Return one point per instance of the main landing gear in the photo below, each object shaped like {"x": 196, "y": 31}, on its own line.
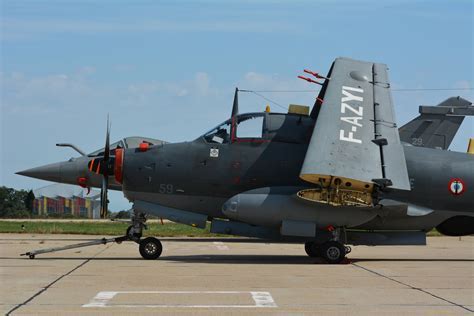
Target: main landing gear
{"x": 332, "y": 251}
{"x": 150, "y": 248}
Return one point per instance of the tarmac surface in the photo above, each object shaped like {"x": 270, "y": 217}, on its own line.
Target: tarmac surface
{"x": 234, "y": 276}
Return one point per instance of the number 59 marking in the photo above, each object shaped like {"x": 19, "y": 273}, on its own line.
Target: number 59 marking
{"x": 166, "y": 188}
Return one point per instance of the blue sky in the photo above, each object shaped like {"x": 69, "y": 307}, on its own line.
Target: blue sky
{"x": 167, "y": 69}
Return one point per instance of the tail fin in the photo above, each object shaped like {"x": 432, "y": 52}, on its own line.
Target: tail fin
{"x": 436, "y": 126}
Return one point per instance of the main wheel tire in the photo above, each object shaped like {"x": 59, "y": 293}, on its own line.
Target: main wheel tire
{"x": 150, "y": 248}
{"x": 312, "y": 249}
{"x": 333, "y": 251}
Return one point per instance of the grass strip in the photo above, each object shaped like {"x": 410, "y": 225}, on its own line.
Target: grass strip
{"x": 112, "y": 228}
{"x": 106, "y": 228}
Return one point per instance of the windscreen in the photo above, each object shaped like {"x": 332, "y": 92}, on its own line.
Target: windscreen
{"x": 100, "y": 152}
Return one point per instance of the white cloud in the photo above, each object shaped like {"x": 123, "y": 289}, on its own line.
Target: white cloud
{"x": 80, "y": 92}
{"x": 202, "y": 84}
{"x": 86, "y": 71}
{"x": 462, "y": 84}
{"x": 260, "y": 81}
{"x": 278, "y": 91}
{"x": 254, "y": 78}
{"x": 23, "y": 93}
{"x": 144, "y": 93}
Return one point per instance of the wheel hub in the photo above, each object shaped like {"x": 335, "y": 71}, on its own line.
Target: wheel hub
{"x": 150, "y": 248}
{"x": 333, "y": 253}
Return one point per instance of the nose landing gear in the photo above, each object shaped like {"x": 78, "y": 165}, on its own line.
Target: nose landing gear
{"x": 150, "y": 248}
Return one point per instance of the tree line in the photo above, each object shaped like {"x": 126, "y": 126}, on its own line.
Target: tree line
{"x": 19, "y": 204}
{"x": 16, "y": 203}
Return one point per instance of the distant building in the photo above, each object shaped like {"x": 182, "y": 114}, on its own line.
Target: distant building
{"x": 66, "y": 199}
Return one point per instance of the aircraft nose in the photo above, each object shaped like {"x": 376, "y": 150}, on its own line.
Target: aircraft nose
{"x": 51, "y": 172}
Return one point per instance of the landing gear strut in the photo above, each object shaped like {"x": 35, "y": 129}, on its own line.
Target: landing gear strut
{"x": 332, "y": 251}
{"x": 150, "y": 248}
{"x": 135, "y": 231}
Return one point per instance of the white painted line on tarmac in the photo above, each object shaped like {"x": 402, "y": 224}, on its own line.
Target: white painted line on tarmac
{"x": 261, "y": 299}
{"x": 101, "y": 299}
{"x": 220, "y": 245}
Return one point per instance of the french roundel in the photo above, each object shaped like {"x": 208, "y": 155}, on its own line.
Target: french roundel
{"x": 456, "y": 186}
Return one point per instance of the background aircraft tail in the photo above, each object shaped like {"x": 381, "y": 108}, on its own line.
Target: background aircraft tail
{"x": 436, "y": 126}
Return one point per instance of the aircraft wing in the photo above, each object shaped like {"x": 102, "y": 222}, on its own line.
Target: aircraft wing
{"x": 355, "y": 138}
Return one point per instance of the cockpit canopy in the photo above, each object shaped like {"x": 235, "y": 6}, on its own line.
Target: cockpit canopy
{"x": 246, "y": 126}
{"x": 128, "y": 142}
{"x": 262, "y": 127}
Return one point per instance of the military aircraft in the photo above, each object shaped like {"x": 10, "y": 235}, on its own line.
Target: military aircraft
{"x": 342, "y": 174}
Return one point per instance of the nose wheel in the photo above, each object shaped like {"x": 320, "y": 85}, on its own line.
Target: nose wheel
{"x": 150, "y": 248}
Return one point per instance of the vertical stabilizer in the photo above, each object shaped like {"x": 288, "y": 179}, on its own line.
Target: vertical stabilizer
{"x": 436, "y": 126}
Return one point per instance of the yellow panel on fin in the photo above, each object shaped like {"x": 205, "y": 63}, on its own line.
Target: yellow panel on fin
{"x": 298, "y": 109}
{"x": 470, "y": 146}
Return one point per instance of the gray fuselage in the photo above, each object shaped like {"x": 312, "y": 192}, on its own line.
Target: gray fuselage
{"x": 184, "y": 176}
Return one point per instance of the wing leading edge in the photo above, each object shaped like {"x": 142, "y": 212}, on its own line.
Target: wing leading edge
{"x": 355, "y": 142}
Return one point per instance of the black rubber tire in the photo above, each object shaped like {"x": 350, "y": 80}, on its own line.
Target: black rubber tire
{"x": 312, "y": 249}
{"x": 333, "y": 252}
{"x": 348, "y": 249}
{"x": 150, "y": 248}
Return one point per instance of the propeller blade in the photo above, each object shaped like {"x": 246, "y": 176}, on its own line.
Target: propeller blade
{"x": 105, "y": 174}
{"x": 107, "y": 142}
{"x": 104, "y": 197}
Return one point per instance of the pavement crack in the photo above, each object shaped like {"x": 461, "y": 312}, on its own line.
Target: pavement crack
{"x": 413, "y": 288}
{"x": 54, "y": 282}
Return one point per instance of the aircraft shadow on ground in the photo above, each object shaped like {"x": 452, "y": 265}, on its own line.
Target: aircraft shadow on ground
{"x": 242, "y": 259}
{"x": 214, "y": 259}
{"x": 286, "y": 259}
{"x": 356, "y": 260}
{"x": 211, "y": 259}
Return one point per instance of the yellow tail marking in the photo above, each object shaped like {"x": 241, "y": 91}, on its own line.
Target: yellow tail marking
{"x": 470, "y": 147}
